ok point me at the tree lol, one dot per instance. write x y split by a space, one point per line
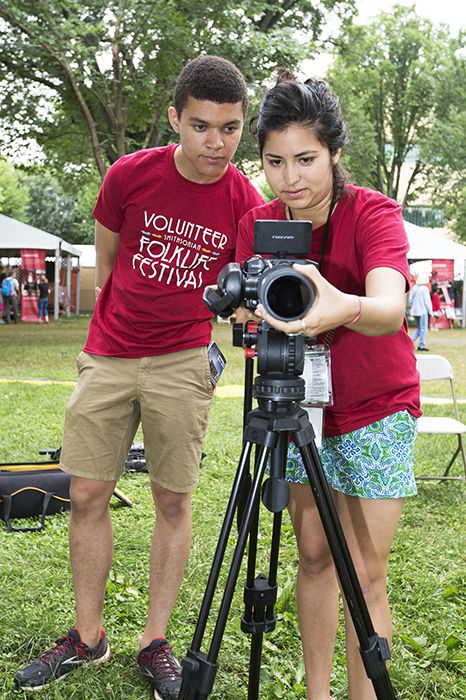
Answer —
91 80
445 147
49 209
395 79
62 208
13 195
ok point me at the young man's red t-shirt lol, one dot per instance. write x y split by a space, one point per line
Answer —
373 376
175 237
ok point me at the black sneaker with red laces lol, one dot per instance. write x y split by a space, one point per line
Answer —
162 670
56 663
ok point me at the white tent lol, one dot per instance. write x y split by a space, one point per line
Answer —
14 236
429 244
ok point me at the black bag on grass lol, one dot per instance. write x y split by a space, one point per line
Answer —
32 492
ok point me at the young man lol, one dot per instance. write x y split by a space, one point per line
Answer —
166 221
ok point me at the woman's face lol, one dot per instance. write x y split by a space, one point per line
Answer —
298 167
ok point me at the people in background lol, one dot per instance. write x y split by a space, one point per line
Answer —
43 289
421 309
436 308
10 295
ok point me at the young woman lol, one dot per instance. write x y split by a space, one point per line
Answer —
359 311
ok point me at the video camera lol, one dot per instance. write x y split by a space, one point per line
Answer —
286 294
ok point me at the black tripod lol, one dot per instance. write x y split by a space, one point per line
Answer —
278 390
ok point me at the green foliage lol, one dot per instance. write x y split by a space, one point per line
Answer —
50 209
445 148
455 209
92 80
398 81
266 191
64 207
13 195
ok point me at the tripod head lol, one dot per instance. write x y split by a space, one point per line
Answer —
280 362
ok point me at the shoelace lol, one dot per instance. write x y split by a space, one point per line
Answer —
65 644
162 660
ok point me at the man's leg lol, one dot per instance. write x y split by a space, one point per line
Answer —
317 592
423 322
415 335
100 422
175 396
7 305
15 304
91 549
171 544
91 544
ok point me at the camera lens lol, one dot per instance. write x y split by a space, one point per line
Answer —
286 294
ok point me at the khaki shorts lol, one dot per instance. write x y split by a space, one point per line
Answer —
170 395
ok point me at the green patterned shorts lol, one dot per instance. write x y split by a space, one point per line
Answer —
376 461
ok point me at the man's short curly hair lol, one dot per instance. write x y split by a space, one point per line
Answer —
210 78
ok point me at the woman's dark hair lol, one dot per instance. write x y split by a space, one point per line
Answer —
210 78
310 103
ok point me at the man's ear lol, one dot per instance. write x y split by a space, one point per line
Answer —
173 119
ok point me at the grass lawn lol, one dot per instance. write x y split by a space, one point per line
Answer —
426 581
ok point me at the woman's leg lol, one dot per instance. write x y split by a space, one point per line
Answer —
317 592
369 526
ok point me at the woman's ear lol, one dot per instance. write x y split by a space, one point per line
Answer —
336 157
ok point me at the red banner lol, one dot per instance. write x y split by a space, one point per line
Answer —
32 265
443 270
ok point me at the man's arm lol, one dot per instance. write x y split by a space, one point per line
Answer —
106 249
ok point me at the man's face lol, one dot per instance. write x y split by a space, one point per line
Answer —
209 136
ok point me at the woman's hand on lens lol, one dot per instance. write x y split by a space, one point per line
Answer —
331 307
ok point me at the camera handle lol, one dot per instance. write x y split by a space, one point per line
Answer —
269 428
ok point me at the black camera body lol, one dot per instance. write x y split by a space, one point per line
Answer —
271 281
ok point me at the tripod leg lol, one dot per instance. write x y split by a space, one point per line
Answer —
374 649
263 596
260 593
251 506
199 669
219 555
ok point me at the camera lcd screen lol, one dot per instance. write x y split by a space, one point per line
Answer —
283 238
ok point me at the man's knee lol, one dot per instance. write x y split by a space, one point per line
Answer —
172 506
90 496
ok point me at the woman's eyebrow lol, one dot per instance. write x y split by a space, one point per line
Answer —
297 155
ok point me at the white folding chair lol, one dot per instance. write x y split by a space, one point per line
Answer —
436 367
